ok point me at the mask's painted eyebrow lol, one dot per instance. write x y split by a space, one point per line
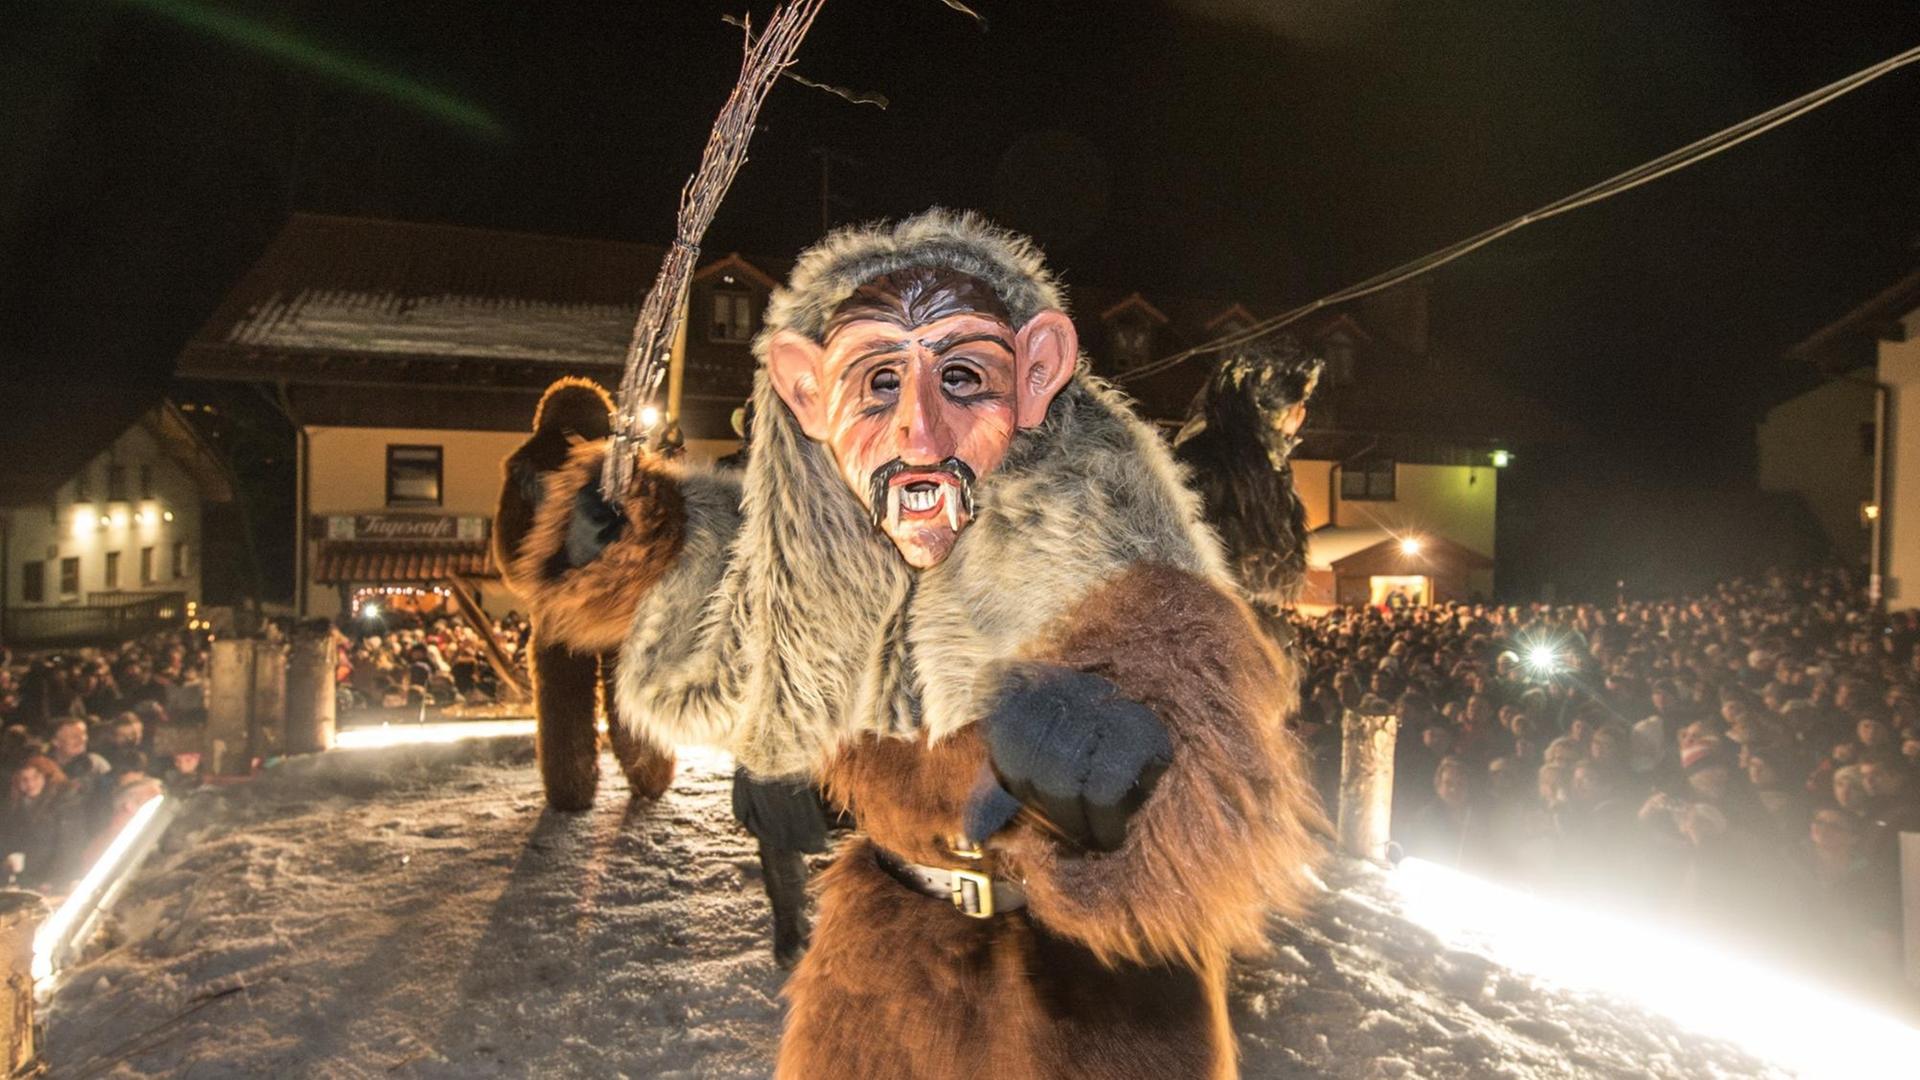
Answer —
888 349
954 341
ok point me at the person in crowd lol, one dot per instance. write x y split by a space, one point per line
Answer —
1452 827
69 750
40 841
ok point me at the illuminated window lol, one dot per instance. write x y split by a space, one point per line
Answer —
33 582
413 476
146 566
1368 480
70 577
732 316
179 559
113 569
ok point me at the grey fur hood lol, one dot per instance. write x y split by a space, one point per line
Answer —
790 625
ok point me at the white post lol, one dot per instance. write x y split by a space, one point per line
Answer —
310 688
1366 783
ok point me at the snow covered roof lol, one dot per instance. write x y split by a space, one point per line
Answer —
390 290
1330 545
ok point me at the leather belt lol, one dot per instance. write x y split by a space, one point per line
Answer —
973 894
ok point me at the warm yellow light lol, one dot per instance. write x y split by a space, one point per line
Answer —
649 416
1410 546
1871 511
1502 458
167 516
84 521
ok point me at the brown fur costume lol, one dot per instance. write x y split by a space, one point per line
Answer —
573 647
768 617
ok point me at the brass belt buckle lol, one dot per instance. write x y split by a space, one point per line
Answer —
972 894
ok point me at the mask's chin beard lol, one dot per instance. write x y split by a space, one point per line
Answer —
956 489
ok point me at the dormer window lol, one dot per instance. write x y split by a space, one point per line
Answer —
1132 343
1338 350
1129 331
732 315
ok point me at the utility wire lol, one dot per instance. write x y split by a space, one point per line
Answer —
1673 161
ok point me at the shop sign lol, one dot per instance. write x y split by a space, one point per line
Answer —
405 527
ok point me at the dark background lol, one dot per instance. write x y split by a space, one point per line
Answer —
1270 150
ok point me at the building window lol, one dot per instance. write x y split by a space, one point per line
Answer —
1132 343
413 476
1339 354
179 559
113 569
70 577
33 582
1365 480
146 566
146 481
732 316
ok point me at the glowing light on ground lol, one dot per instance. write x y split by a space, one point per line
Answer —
438 732
360 738
59 932
1702 987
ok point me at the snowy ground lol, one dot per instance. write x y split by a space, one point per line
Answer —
416 912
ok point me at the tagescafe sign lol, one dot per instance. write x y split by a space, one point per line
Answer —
405 527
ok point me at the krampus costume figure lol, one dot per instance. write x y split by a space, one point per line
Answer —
571 657
964 588
1239 443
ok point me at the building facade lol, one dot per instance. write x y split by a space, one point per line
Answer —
1877 346
115 549
410 358
1818 447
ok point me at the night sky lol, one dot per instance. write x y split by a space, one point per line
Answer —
149 148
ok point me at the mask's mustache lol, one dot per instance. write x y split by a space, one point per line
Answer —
883 499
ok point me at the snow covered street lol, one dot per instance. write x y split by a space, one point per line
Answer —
414 911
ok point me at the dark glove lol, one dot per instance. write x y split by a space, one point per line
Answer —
1068 746
594 525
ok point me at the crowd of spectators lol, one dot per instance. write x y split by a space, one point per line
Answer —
406 661
78 735
1742 761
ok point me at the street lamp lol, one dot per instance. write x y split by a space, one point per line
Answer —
1410 546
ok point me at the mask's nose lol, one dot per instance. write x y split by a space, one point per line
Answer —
924 435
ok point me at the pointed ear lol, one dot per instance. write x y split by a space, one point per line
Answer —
793 363
1044 354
